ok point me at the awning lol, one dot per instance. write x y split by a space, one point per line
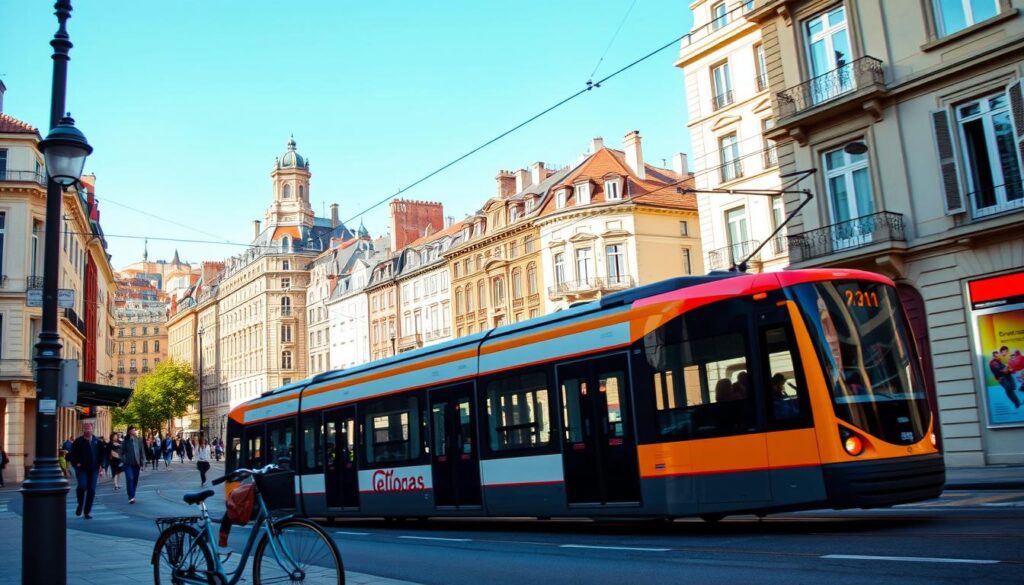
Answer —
90 394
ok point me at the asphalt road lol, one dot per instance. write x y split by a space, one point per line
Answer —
964 537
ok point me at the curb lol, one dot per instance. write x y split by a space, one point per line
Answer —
985 485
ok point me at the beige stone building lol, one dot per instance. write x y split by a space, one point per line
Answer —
423 282
382 294
140 317
730 111
85 328
911 114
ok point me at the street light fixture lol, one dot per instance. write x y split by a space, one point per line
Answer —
44 530
200 332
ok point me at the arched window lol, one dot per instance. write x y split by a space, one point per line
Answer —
458 299
531 279
302 192
286 243
286 192
286 306
517 284
286 360
481 289
469 297
499 291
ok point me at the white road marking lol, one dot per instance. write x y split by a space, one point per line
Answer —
352 533
912 559
437 538
636 548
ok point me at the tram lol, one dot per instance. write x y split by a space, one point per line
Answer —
695 396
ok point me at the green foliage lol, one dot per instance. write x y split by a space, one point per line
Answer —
162 394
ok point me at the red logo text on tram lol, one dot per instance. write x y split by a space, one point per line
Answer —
384 480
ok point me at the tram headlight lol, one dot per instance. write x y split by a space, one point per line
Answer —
852 444
935 440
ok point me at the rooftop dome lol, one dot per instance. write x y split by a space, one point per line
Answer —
292 159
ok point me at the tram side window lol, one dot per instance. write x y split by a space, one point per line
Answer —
519 412
312 452
253 455
281 443
702 387
392 428
788 405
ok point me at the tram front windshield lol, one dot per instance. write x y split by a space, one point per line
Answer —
869 362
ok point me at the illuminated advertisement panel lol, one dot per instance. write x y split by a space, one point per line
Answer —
997 310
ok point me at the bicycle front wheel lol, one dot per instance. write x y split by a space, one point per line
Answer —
304 554
175 558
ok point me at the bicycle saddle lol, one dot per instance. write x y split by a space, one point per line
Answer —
196 497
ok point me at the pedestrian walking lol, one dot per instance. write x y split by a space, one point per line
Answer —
104 461
86 459
218 450
4 460
114 458
133 457
203 459
68 442
155 452
190 448
179 448
168 450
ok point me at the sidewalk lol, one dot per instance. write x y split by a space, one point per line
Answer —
992 477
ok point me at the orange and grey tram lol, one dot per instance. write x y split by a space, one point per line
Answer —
695 396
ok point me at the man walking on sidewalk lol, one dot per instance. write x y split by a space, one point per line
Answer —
86 458
133 457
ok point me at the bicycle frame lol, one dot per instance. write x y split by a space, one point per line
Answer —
264 524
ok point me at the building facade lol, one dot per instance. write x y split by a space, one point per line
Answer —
730 111
85 328
349 308
424 292
382 296
911 114
141 338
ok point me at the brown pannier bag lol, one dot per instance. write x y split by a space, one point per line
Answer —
241 502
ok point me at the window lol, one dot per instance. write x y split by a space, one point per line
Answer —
760 67
392 428
281 443
3 224
584 261
701 383
615 256
518 412
531 278
312 461
736 233
729 154
778 216
987 140
469 297
611 190
684 228
517 284
849 187
771 154
286 191
560 268
286 360
561 198
145 364
286 306
528 244
498 286
787 402
3 163
285 265
719 16
145 347
582 193
37 230
134 331
481 290
132 349
829 56
721 86
286 333
954 15
302 192
687 262
286 283
458 299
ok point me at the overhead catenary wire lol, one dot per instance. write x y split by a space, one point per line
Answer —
611 42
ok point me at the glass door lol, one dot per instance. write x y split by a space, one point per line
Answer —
736 223
455 457
828 55
852 205
341 474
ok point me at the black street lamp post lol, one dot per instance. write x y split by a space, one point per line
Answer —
200 332
44 535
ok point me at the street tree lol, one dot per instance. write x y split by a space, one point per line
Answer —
159 396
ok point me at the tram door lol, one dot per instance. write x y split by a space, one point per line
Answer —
341 472
599 453
454 451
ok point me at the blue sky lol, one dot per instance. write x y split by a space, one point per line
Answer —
188 102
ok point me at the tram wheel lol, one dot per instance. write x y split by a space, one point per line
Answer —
712 518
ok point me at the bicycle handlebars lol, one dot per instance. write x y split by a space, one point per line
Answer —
242 473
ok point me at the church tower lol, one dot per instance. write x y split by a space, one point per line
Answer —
291 190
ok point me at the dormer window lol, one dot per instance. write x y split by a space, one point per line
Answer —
561 198
466 234
582 193
478 228
530 202
513 214
611 190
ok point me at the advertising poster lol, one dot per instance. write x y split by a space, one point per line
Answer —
1001 351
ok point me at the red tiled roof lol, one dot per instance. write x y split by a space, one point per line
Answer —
10 125
452 229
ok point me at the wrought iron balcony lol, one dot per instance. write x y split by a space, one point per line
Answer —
721 100
23 177
847 78
780 245
996 200
883 226
725 258
589 286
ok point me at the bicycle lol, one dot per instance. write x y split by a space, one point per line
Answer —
300 551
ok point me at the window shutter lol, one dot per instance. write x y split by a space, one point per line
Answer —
1016 91
947 162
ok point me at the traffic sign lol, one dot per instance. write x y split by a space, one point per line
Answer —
65 298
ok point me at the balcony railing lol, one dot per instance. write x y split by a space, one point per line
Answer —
863 231
847 78
590 285
996 200
721 100
34 282
23 177
780 245
725 258
409 341
718 23
75 320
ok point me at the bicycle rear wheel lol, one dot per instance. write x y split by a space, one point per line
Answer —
173 559
315 555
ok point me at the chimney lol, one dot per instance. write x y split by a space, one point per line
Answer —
635 155
522 180
679 165
506 184
449 221
255 228
3 88
334 215
537 173
596 144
